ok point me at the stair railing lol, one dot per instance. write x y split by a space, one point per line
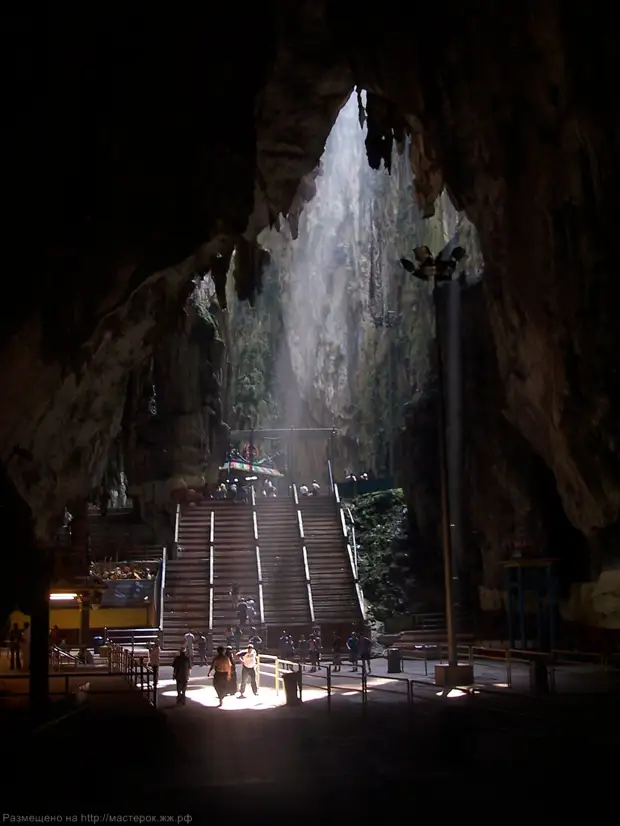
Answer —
304 551
211 579
177 520
259 567
161 591
354 541
330 475
352 561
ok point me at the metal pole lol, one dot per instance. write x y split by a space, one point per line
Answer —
443 468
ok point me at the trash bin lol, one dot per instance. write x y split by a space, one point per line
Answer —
394 661
291 688
97 643
539 677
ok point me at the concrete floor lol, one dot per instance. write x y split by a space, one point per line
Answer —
268 763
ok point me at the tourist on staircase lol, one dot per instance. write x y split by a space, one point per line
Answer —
180 671
242 613
221 679
316 488
249 662
189 646
234 595
255 639
232 638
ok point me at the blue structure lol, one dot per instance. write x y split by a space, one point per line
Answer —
536 575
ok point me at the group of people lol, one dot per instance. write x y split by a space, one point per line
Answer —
308 650
234 637
313 490
102 572
351 477
223 667
244 606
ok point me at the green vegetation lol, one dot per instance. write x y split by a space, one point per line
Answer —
385 563
255 336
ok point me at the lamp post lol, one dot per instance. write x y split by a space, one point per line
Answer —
437 271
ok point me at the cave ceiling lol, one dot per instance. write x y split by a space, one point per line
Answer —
159 138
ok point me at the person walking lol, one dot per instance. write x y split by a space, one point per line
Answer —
180 671
221 665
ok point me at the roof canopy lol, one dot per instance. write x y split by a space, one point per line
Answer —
246 467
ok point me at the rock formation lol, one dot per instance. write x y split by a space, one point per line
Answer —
172 135
173 418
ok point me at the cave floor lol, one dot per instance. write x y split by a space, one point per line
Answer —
267 762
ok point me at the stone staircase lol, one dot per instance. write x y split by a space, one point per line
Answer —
333 588
234 560
284 582
186 594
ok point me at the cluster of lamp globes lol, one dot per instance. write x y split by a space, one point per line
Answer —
434 268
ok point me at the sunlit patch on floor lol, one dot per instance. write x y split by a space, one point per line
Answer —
205 696
452 694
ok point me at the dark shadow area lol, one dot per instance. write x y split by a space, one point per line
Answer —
303 763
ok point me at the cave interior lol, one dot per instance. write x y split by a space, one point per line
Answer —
174 139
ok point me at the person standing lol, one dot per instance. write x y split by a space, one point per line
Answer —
189 646
354 647
232 686
202 649
180 671
154 657
337 652
249 661
25 646
365 650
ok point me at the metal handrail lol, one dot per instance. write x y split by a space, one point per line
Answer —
355 554
177 520
358 589
304 551
211 570
57 654
162 588
259 567
330 476
135 670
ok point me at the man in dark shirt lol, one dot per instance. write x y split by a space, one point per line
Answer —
180 672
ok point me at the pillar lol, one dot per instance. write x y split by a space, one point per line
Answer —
84 620
40 583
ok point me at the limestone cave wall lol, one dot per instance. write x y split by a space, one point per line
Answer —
174 136
173 433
